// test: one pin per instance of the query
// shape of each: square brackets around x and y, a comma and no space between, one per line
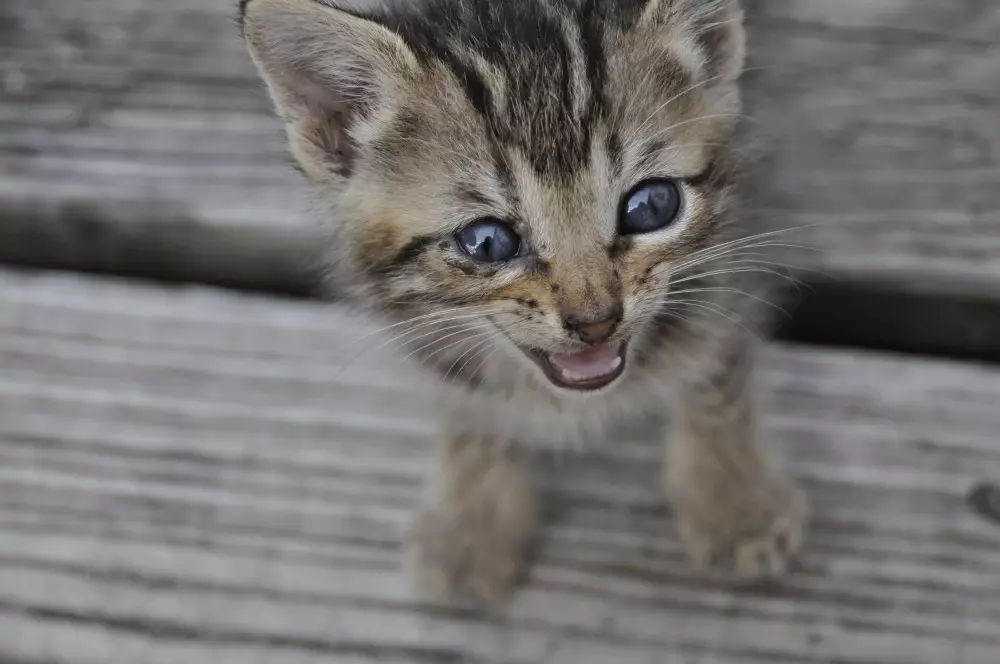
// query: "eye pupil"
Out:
[649,207]
[489,241]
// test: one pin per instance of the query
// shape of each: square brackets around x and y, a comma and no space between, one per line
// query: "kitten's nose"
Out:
[594,330]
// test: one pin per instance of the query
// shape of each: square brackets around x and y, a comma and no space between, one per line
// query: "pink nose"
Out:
[591,331]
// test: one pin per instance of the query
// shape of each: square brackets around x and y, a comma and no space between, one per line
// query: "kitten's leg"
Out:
[734,513]
[473,541]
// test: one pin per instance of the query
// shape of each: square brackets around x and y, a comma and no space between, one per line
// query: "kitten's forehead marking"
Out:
[534,71]
[570,217]
[580,84]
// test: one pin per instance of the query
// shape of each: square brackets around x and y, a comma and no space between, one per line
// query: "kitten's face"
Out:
[521,182]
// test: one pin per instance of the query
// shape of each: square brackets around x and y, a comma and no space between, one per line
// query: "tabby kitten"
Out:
[540,195]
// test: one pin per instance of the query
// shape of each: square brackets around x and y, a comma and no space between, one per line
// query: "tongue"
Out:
[588,364]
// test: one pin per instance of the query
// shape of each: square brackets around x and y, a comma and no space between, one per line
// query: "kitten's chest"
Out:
[529,417]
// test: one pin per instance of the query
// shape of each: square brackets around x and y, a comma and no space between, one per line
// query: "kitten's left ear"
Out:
[717,26]
[327,69]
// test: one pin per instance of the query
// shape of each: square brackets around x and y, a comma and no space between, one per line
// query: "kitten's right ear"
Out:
[716,24]
[327,70]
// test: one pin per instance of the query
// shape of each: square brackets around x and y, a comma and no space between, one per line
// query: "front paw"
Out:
[744,538]
[470,558]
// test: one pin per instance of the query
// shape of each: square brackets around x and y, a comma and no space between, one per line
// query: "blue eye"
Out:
[652,205]
[489,241]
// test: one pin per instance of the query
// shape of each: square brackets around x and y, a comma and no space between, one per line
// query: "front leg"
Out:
[474,538]
[735,515]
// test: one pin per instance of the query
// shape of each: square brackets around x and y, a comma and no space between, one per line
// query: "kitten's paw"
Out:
[745,541]
[461,560]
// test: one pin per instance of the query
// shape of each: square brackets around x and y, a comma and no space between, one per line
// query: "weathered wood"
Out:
[190,475]
[880,118]
[161,242]
[881,122]
[157,103]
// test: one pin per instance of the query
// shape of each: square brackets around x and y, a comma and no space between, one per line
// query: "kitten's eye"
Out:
[489,241]
[649,207]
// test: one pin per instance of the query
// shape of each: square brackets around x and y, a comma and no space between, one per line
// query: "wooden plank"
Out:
[154,103]
[191,475]
[880,118]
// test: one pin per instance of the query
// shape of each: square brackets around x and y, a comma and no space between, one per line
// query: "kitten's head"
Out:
[521,178]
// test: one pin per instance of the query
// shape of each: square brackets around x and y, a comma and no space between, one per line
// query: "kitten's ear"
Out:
[326,69]
[717,25]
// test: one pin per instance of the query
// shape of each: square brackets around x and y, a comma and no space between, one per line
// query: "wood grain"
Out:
[188,475]
[880,123]
[879,120]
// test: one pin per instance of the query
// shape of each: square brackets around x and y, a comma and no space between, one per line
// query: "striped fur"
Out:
[415,118]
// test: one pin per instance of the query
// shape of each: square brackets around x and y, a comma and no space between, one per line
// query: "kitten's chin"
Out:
[591,369]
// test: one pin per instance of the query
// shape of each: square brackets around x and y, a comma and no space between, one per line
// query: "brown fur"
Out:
[414,119]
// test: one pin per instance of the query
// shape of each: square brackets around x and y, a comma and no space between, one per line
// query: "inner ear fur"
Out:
[327,69]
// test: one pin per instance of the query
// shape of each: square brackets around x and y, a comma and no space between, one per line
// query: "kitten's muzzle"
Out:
[590,368]
[586,370]
[596,329]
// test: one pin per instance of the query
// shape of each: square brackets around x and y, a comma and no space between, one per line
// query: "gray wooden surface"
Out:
[140,101]
[881,120]
[191,476]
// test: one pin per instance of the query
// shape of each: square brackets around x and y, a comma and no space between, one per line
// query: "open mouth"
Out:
[588,369]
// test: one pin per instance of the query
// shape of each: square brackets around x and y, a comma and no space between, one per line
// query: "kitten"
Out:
[540,194]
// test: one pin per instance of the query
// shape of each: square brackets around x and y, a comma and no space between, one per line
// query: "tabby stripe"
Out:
[473,83]
[593,48]
[410,252]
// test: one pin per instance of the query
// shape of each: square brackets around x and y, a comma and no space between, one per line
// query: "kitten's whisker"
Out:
[697,258]
[740,270]
[720,311]
[437,332]
[711,262]
[785,266]
[472,353]
[683,321]
[722,265]
[398,338]
[725,289]
[748,242]
[479,330]
[434,315]
[718,24]
[473,350]
[688,90]
[717,267]
[689,146]
[479,367]
[726,249]
[677,125]
[755,236]
[723,259]
[473,331]
[446,322]
[650,139]
[423,326]
[478,348]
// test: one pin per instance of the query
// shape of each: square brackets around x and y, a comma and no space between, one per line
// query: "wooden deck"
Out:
[195,476]
[188,475]
[880,120]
